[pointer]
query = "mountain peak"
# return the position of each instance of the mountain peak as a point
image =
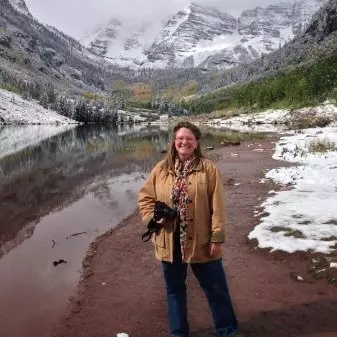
(20, 6)
(201, 36)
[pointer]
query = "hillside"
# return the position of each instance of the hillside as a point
(318, 40)
(39, 62)
(303, 72)
(32, 54)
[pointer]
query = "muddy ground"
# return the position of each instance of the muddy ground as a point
(122, 288)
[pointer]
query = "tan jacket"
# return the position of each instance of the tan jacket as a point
(206, 210)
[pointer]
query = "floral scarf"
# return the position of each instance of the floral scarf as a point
(180, 196)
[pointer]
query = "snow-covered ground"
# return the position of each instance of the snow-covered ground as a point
(272, 120)
(16, 110)
(302, 217)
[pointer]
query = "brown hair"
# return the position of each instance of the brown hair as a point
(169, 161)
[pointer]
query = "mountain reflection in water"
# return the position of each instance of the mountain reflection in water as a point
(52, 174)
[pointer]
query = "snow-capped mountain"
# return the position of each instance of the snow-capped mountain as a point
(187, 32)
(31, 52)
(199, 36)
(98, 41)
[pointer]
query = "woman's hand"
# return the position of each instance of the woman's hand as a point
(215, 249)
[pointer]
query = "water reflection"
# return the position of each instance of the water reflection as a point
(54, 173)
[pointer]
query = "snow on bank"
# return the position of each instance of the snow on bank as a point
(303, 217)
(272, 120)
(268, 121)
(16, 110)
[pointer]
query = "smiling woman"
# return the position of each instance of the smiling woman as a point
(191, 185)
(185, 143)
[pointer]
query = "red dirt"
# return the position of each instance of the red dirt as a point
(122, 288)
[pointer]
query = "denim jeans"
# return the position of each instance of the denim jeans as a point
(212, 279)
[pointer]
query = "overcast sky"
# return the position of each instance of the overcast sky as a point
(76, 17)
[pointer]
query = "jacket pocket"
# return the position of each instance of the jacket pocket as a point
(160, 239)
(203, 239)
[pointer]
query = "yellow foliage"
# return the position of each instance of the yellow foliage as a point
(141, 91)
(91, 95)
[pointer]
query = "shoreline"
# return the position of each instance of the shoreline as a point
(120, 274)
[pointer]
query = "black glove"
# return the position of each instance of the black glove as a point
(161, 210)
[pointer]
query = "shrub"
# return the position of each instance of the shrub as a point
(321, 146)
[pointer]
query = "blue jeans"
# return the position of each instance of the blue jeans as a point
(212, 279)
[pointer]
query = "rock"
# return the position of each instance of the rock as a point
(229, 181)
(5, 41)
(229, 143)
(60, 261)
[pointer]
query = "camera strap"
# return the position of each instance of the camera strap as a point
(152, 227)
(147, 235)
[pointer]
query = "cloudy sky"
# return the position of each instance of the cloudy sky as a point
(76, 17)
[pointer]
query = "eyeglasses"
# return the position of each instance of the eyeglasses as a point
(186, 139)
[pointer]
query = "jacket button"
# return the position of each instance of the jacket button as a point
(190, 201)
(190, 238)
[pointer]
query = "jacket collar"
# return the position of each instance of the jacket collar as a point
(199, 166)
(196, 168)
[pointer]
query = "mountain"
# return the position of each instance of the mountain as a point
(189, 30)
(20, 6)
(101, 37)
(204, 37)
(311, 53)
(32, 54)
(324, 23)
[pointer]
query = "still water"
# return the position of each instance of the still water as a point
(59, 189)
(56, 196)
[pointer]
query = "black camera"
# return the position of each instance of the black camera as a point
(161, 210)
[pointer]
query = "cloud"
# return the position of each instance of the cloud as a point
(75, 17)
(237, 6)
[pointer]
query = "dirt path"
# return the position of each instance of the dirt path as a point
(122, 288)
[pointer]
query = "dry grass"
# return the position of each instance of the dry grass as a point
(321, 146)
(308, 120)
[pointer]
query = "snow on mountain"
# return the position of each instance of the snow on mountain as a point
(123, 43)
(304, 11)
(189, 30)
(199, 36)
(99, 40)
(20, 6)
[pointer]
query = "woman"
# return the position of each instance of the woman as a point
(191, 184)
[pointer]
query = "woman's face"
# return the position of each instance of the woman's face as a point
(185, 143)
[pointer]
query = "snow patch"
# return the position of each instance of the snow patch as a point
(16, 110)
(304, 217)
